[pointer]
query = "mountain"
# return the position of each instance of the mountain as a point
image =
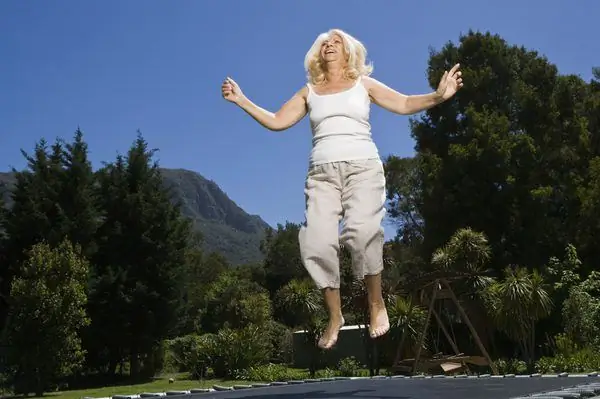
(226, 228)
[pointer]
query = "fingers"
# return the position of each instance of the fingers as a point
(227, 87)
(454, 69)
(459, 81)
(231, 81)
(456, 75)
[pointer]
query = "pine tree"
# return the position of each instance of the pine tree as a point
(52, 201)
(52, 198)
(78, 201)
(143, 243)
(3, 259)
(35, 213)
(30, 218)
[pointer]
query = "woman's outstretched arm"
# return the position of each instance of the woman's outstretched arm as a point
(402, 104)
(288, 115)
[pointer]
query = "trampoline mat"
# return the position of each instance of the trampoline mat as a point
(408, 388)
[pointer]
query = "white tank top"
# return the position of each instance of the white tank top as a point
(340, 125)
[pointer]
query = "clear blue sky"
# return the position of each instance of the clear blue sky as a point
(112, 67)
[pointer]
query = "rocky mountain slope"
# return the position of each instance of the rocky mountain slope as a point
(226, 228)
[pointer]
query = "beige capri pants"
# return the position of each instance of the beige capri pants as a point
(354, 191)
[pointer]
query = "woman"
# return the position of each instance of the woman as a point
(345, 177)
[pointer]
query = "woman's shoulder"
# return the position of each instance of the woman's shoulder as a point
(303, 91)
(368, 81)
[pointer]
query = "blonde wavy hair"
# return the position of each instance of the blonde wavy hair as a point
(356, 57)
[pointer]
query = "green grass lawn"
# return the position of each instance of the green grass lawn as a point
(160, 385)
(181, 383)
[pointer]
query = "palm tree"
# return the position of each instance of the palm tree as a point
(459, 272)
(516, 304)
(302, 299)
(464, 259)
(407, 320)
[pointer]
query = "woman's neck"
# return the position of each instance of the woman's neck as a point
(334, 73)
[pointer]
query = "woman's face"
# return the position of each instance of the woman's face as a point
(332, 50)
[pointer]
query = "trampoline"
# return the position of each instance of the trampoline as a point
(461, 387)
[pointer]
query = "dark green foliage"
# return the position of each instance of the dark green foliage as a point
(514, 155)
(3, 258)
(234, 302)
(150, 277)
(506, 156)
(282, 256)
(236, 350)
(52, 200)
(47, 314)
(142, 247)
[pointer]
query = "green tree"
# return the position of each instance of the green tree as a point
(282, 256)
(466, 256)
(35, 214)
(3, 258)
(505, 156)
(142, 246)
(301, 302)
(406, 319)
(464, 262)
(517, 303)
(52, 200)
(589, 196)
(78, 201)
(47, 314)
(561, 275)
(200, 272)
(232, 302)
(581, 308)
(404, 194)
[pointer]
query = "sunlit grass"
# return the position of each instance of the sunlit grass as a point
(158, 385)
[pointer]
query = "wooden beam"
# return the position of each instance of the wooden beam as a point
(424, 331)
(465, 318)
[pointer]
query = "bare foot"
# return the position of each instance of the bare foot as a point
(330, 336)
(380, 323)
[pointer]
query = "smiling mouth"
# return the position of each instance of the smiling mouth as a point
(329, 52)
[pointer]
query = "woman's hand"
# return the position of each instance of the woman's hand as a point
(231, 91)
(450, 83)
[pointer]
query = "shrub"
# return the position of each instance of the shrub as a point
(510, 366)
(271, 372)
(234, 350)
(565, 345)
(349, 367)
(282, 342)
(584, 360)
(327, 373)
(190, 353)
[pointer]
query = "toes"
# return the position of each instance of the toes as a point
(379, 331)
(330, 337)
(328, 344)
